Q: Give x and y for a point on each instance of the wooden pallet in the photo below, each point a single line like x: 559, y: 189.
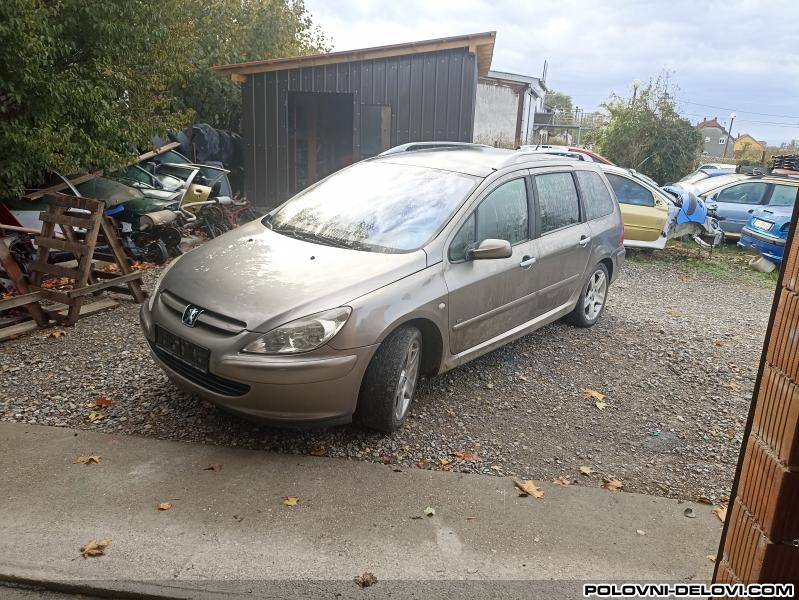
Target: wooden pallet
x: 86, y: 280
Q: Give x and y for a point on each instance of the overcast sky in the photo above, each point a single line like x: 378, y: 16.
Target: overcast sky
x: 731, y: 55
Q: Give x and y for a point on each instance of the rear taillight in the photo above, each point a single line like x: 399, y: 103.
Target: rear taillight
x: 621, y: 239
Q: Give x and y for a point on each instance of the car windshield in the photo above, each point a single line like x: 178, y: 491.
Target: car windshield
x: 376, y: 206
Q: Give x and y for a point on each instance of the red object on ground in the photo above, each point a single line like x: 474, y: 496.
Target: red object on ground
x: 7, y: 217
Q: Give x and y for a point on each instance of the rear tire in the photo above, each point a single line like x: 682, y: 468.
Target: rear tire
x: 389, y: 384
x: 592, y: 300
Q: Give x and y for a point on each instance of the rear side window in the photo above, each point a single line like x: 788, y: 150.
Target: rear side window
x: 558, y: 204
x: 501, y: 215
x: 783, y: 195
x: 598, y: 201
x: 630, y: 192
x: 743, y: 193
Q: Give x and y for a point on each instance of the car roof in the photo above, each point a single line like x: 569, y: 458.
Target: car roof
x: 471, y: 159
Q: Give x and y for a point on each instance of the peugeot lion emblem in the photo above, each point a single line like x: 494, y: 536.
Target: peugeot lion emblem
x: 190, y: 315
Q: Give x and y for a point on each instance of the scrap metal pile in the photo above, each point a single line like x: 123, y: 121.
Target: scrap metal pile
x: 160, y: 207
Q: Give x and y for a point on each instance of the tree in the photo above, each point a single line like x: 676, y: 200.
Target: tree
x: 559, y: 102
x: 648, y: 134
x: 84, y: 83
x: 232, y: 31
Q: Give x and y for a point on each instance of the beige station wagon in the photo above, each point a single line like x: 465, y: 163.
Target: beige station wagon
x: 410, y: 263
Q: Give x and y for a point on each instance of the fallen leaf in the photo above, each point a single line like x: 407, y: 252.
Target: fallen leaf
x: 614, y: 485
x: 471, y: 518
x: 640, y: 532
x: 711, y: 557
x: 95, y: 547
x: 429, y: 512
x: 215, y: 467
x: 704, y: 500
x: 601, y: 404
x: 465, y: 455
x: 724, y: 498
x: 443, y: 462
x: 731, y: 386
x: 164, y: 505
x: 675, y: 313
x: 683, y: 277
x: 290, y: 500
x: 365, y: 580
x: 522, y: 378
x: 589, y: 393
x: 142, y: 265
x: 719, y: 344
x: 57, y: 333
x: 87, y: 460
x: 94, y: 416
x: 586, y: 470
x: 103, y: 401
x: 110, y: 268
x: 720, y: 512
x: 528, y: 488
x: 563, y: 481
x: 318, y: 452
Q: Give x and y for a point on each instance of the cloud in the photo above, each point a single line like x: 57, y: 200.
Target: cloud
x: 739, y: 55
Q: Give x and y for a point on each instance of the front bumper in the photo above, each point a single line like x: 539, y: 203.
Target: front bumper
x: 318, y: 388
x: 769, y: 246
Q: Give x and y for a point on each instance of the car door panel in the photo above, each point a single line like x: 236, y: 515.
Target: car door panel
x: 736, y: 204
x: 644, y: 214
x: 564, y: 244
x: 489, y: 297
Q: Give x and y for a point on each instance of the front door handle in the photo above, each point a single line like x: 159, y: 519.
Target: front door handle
x: 527, y: 262
x: 584, y: 241
x: 751, y: 210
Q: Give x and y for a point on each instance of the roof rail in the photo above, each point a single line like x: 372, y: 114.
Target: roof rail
x: 530, y: 154
x: 415, y: 146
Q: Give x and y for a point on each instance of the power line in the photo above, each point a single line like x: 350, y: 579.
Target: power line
x: 748, y: 112
x: 744, y: 120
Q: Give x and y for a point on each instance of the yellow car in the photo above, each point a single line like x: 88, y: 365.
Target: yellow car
x: 644, y: 208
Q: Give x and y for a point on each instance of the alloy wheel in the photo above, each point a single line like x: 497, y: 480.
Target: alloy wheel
x: 595, y: 295
x: 407, y: 380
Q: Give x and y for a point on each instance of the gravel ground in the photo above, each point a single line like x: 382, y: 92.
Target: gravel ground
x: 676, y: 353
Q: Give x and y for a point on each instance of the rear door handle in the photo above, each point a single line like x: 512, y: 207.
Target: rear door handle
x: 527, y: 261
x: 584, y: 241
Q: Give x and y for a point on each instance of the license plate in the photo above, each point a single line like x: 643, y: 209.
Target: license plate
x: 192, y: 354
x: 761, y: 224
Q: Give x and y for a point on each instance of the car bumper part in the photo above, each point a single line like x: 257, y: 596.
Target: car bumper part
x: 320, y: 387
x: 770, y: 247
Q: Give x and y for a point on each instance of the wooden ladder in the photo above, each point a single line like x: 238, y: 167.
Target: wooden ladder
x: 61, y: 214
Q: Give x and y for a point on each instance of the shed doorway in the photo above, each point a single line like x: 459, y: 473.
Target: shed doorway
x: 320, y: 136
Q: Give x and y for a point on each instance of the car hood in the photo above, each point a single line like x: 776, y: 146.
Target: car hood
x: 264, y: 279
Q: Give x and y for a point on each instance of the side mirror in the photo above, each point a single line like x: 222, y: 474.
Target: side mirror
x: 491, y: 249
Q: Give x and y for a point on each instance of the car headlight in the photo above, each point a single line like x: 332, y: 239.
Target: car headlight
x: 301, y: 335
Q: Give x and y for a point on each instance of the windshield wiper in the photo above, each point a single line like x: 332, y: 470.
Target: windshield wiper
x: 308, y: 236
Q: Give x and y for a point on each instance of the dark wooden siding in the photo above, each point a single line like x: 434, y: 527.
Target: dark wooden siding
x: 431, y: 95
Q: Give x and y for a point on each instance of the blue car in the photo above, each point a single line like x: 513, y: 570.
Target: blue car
x: 767, y: 231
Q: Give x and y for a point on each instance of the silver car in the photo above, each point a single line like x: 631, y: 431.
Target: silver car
x: 410, y: 263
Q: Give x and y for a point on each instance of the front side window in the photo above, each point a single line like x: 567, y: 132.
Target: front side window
x: 558, y: 204
x: 783, y: 195
x: 502, y: 215
x: 375, y: 206
x: 598, y: 201
x: 630, y: 192
x: 751, y: 192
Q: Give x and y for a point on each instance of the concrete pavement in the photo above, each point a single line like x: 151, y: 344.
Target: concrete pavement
x: 229, y: 533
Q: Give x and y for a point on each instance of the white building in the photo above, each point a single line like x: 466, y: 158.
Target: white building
x: 505, y: 108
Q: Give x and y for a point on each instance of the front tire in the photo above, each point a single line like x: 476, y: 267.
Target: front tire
x: 593, y: 297
x: 389, y: 385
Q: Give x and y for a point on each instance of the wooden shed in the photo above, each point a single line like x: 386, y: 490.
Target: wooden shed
x: 305, y: 117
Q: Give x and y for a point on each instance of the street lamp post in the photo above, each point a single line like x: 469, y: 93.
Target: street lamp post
x: 636, y: 83
x: 729, y: 133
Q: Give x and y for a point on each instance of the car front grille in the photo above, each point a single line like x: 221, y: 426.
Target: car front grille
x: 209, y: 381
x: 207, y: 319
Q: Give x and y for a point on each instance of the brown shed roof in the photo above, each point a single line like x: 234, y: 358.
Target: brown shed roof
x: 479, y: 44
